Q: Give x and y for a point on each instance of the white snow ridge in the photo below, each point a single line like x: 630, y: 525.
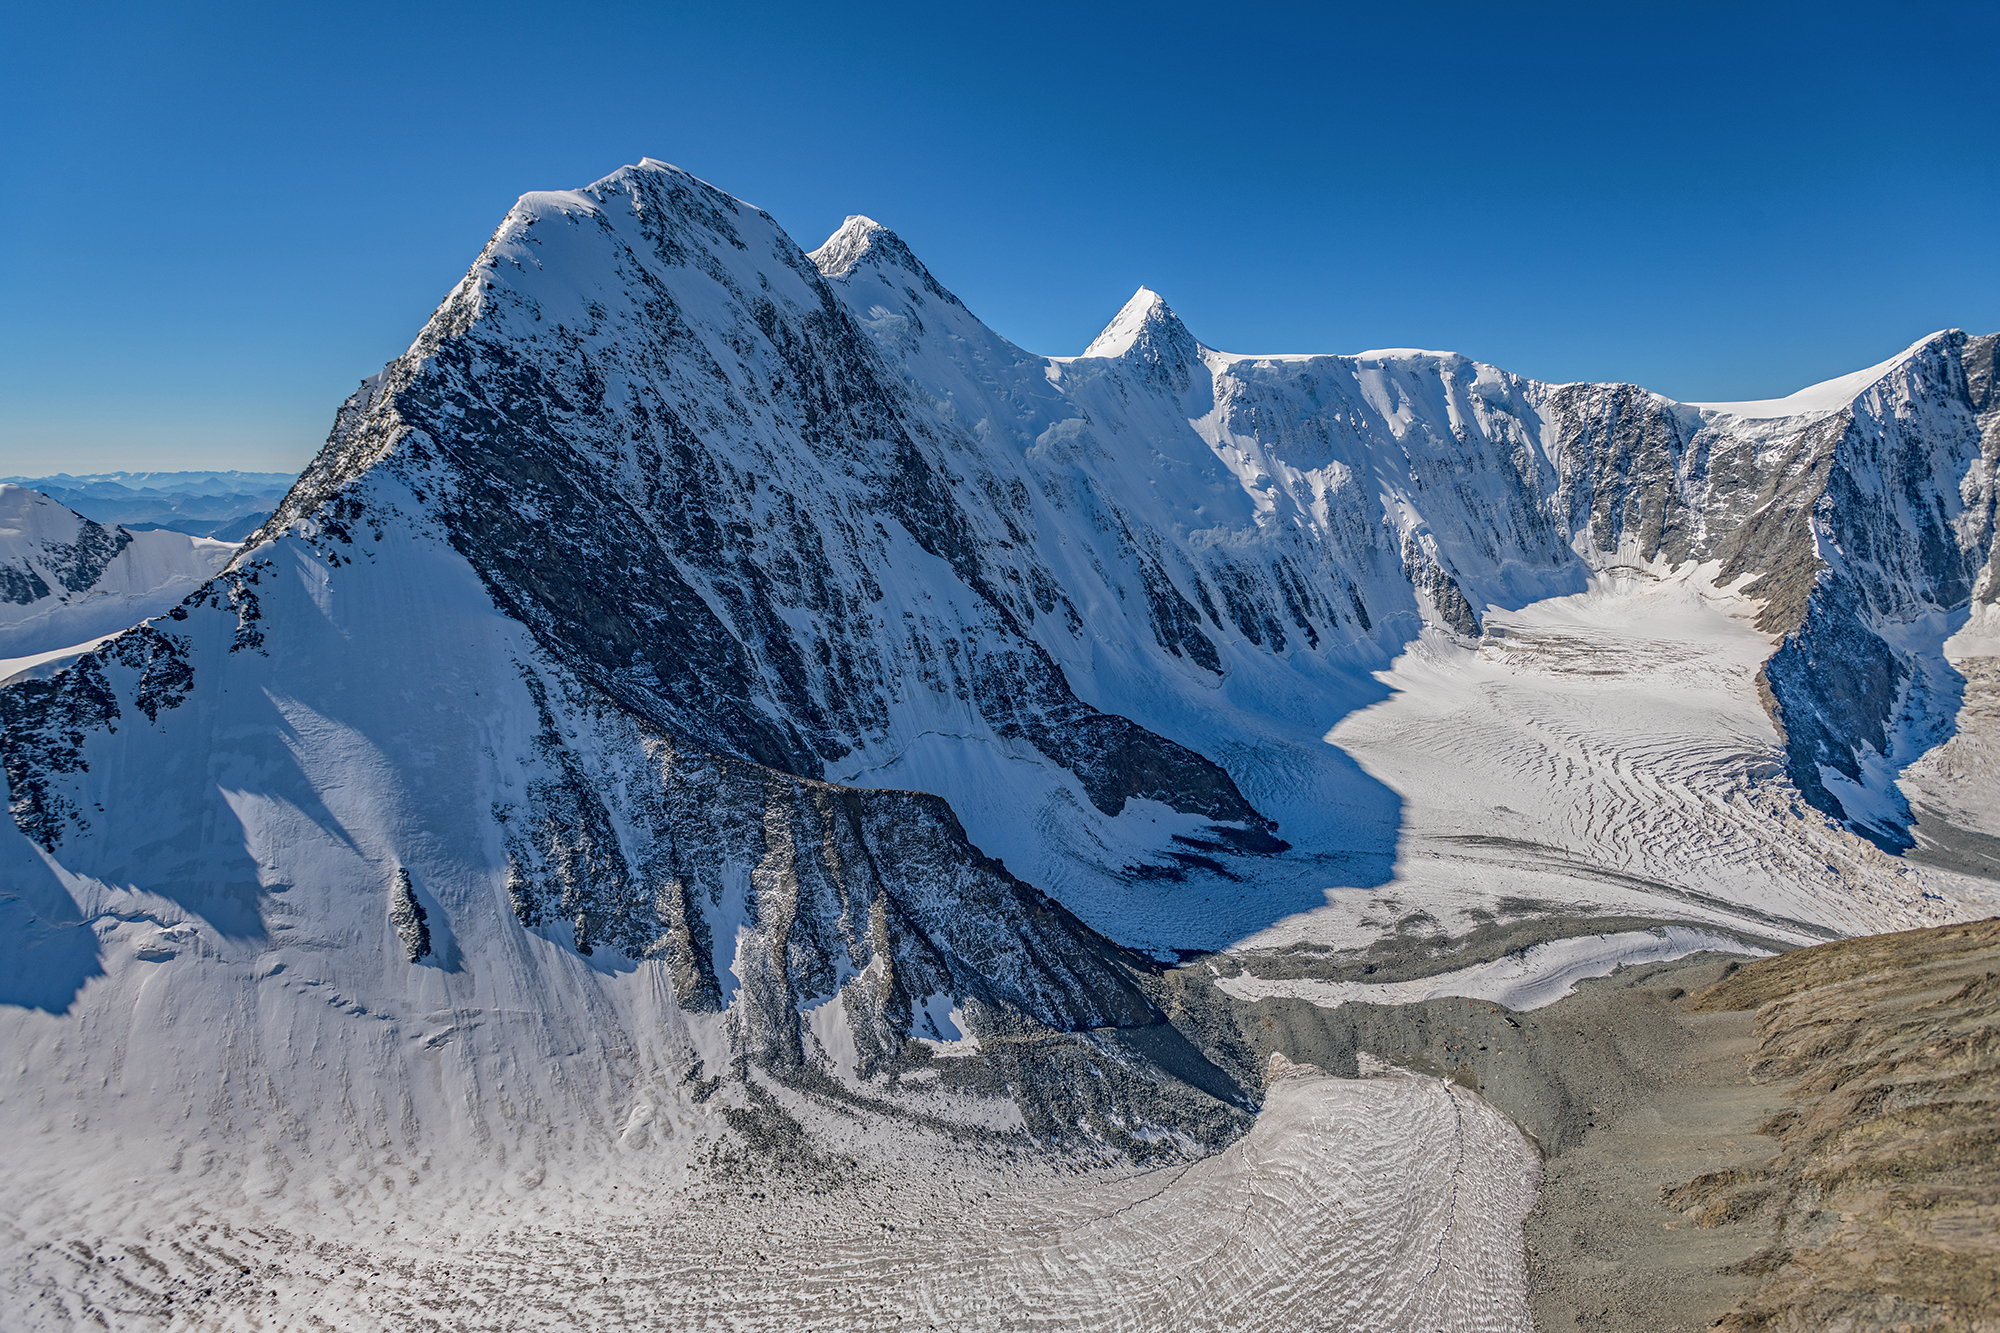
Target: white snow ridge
x: 692, y: 811
x: 67, y: 583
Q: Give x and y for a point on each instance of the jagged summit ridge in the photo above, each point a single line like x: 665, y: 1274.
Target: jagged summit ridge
x: 762, y: 681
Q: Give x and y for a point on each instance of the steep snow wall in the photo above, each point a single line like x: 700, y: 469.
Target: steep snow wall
x: 1866, y: 529
x: 611, y: 609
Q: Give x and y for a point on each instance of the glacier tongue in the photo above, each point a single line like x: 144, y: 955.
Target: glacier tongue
x: 706, y: 697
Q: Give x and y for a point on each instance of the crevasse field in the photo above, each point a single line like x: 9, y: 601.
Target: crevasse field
x: 731, y: 796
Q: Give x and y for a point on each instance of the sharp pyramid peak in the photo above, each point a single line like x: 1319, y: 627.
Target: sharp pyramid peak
x: 1146, y: 318
x: 861, y: 239
x: 853, y: 239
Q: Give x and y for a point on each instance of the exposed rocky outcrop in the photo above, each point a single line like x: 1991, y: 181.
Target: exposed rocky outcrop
x: 407, y: 917
x: 1882, y: 1192
x: 699, y: 538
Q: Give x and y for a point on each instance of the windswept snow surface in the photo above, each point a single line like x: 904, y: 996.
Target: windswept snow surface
x: 1608, y: 750
x: 796, y: 712
x: 1815, y: 399
x: 65, y: 580
x: 1389, y: 1203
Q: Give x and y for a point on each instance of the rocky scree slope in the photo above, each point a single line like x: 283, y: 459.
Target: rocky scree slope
x: 1879, y: 1200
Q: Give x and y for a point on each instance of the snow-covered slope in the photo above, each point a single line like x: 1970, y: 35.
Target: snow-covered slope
x: 1314, y: 510
x: 65, y: 580
x: 228, y: 506
x: 705, y: 693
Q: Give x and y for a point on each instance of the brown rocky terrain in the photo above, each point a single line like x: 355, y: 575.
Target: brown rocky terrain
x: 1820, y: 1149
x: 1804, y: 1142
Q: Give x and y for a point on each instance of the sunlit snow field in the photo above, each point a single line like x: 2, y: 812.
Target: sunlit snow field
x: 238, y: 1099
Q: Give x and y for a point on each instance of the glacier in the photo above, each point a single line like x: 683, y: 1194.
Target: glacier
x: 801, y: 727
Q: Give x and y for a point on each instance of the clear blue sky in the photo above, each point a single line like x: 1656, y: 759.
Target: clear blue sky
x: 219, y: 217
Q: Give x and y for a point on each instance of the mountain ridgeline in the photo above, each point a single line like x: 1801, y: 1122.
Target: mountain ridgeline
x: 692, y: 459
x: 683, y: 599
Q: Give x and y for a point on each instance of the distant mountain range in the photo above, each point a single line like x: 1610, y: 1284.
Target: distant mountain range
x: 228, y: 506
x: 66, y: 582
x: 716, y: 714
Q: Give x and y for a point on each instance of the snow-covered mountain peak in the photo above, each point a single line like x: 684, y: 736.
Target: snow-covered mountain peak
x: 853, y: 239
x: 864, y: 244
x: 1148, y: 332
x: 28, y: 516
x: 1146, y: 309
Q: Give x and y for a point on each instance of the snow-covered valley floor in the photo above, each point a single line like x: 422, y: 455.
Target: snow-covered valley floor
x: 1607, y: 752
x: 1385, y: 1203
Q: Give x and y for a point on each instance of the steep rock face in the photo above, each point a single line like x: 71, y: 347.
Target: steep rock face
x: 588, y: 639
x: 74, y: 564
x: 808, y: 512
x: 1864, y: 528
x: 1904, y: 529
x: 1279, y: 510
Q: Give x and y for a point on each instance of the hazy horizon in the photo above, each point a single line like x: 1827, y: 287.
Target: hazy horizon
x: 233, y: 214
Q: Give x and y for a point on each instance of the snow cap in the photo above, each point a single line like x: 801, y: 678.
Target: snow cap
x: 1148, y: 332
x: 1827, y: 396
x: 862, y: 242
x: 1146, y: 310
x: 845, y: 248
x: 28, y: 516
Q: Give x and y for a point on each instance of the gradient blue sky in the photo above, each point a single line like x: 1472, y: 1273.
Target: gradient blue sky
x: 220, y: 217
